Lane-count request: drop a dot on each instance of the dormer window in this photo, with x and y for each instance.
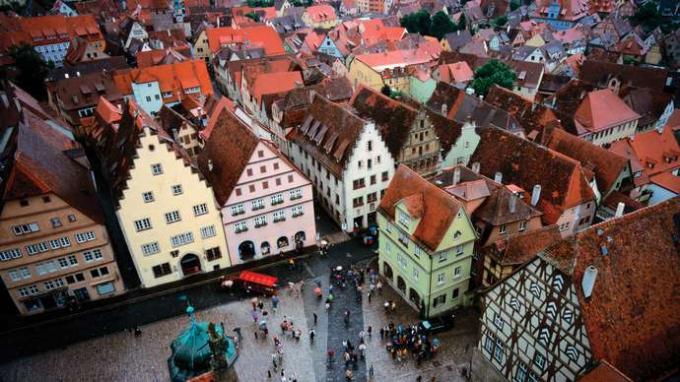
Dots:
(404, 219)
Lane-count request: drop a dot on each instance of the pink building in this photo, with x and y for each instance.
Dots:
(266, 203)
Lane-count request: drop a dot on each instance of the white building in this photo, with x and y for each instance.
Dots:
(346, 159)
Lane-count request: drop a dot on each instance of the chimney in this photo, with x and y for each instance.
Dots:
(456, 175)
(513, 203)
(475, 167)
(619, 210)
(498, 177)
(210, 165)
(535, 195)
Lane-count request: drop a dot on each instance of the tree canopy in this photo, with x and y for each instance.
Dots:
(30, 70)
(436, 26)
(493, 72)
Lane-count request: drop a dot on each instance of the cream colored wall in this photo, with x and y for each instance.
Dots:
(133, 207)
(201, 47)
(613, 134)
(40, 212)
(362, 74)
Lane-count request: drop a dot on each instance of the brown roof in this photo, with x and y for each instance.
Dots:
(328, 133)
(598, 73)
(45, 162)
(496, 209)
(648, 103)
(527, 164)
(606, 165)
(438, 209)
(522, 248)
(604, 372)
(230, 147)
(393, 118)
(532, 117)
(84, 91)
(631, 316)
(602, 109)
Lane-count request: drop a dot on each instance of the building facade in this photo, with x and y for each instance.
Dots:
(266, 204)
(426, 244)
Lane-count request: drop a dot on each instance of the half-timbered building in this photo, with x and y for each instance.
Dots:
(609, 293)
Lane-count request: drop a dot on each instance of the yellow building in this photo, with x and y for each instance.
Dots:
(374, 70)
(55, 249)
(165, 208)
(201, 47)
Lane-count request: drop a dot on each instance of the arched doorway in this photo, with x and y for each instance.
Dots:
(300, 236)
(190, 264)
(387, 271)
(282, 242)
(265, 248)
(246, 250)
(414, 297)
(401, 284)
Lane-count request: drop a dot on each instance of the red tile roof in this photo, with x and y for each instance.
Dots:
(604, 372)
(602, 109)
(522, 248)
(228, 151)
(44, 30)
(563, 181)
(257, 36)
(631, 316)
(435, 208)
(276, 82)
(321, 13)
(668, 181)
(108, 112)
(223, 103)
(658, 149)
(456, 72)
(397, 58)
(175, 78)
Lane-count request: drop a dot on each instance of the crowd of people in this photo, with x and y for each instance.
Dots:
(412, 340)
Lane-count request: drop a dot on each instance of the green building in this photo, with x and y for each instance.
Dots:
(426, 244)
(200, 348)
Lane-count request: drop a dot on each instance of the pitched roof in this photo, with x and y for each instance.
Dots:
(396, 58)
(602, 109)
(228, 151)
(654, 147)
(321, 13)
(604, 372)
(259, 36)
(631, 316)
(606, 165)
(526, 164)
(45, 162)
(108, 111)
(532, 117)
(497, 208)
(435, 208)
(598, 73)
(456, 72)
(84, 91)
(269, 83)
(521, 248)
(328, 133)
(393, 118)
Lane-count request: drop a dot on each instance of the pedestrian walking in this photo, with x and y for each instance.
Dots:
(266, 331)
(328, 305)
(370, 331)
(382, 333)
(315, 317)
(379, 287)
(312, 333)
(348, 375)
(269, 374)
(371, 372)
(274, 358)
(255, 332)
(419, 378)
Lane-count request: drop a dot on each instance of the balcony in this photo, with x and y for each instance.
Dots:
(276, 202)
(237, 213)
(260, 225)
(281, 219)
(298, 214)
(258, 207)
(296, 197)
(239, 230)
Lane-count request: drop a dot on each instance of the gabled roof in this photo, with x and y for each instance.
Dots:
(655, 148)
(438, 208)
(393, 119)
(45, 162)
(602, 109)
(456, 72)
(532, 117)
(606, 165)
(328, 133)
(226, 154)
(631, 315)
(107, 111)
(258, 36)
(320, 13)
(521, 248)
(497, 209)
(397, 58)
(604, 372)
(270, 83)
(648, 103)
(598, 73)
(526, 164)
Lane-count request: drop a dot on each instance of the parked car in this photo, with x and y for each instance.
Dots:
(438, 324)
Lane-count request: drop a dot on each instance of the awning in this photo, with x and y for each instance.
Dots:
(258, 278)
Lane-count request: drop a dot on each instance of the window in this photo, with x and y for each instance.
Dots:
(147, 197)
(279, 216)
(402, 261)
(23, 229)
(439, 300)
(19, 274)
(443, 257)
(238, 192)
(521, 374)
(200, 209)
(358, 184)
(172, 217)
(93, 255)
(257, 204)
(369, 146)
(265, 185)
(23, 203)
(176, 189)
(52, 284)
(277, 199)
(83, 237)
(156, 169)
(28, 291)
(456, 272)
(360, 164)
(385, 176)
(440, 278)
(404, 219)
(9, 254)
(297, 211)
(498, 321)
(372, 179)
(105, 289)
(416, 273)
(455, 293)
(278, 181)
(260, 153)
(372, 197)
(539, 360)
(46, 199)
(142, 224)
(290, 178)
(358, 202)
(213, 254)
(276, 165)
(240, 227)
(182, 239)
(71, 218)
(56, 222)
(150, 248)
(295, 194)
(32, 249)
(237, 210)
(489, 344)
(260, 221)
(498, 352)
(502, 228)
(161, 270)
(459, 250)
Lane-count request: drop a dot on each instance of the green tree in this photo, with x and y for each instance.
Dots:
(441, 25)
(254, 16)
(648, 16)
(499, 21)
(462, 23)
(493, 72)
(31, 70)
(418, 22)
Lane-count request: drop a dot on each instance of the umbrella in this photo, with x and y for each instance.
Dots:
(317, 291)
(323, 243)
(227, 283)
(338, 268)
